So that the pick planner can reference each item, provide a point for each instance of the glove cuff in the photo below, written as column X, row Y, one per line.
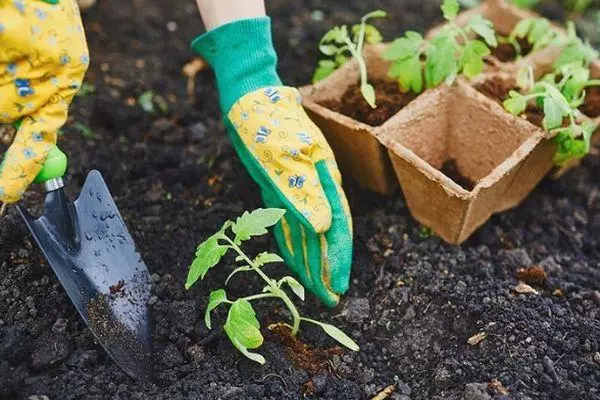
column 243, row 57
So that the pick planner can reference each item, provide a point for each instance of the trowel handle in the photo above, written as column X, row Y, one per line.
column 54, row 168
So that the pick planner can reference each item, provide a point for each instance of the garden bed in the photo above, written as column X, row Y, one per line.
column 414, row 301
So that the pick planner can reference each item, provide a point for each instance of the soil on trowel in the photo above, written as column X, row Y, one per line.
column 451, row 170
column 506, row 52
column 390, row 100
column 591, row 106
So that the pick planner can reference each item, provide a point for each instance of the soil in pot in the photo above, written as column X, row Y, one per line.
column 591, row 107
column 498, row 88
column 506, row 52
column 451, row 170
column 390, row 100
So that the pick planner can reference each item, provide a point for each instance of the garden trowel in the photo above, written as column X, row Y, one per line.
column 91, row 251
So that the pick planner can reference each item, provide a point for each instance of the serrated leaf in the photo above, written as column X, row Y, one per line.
column 324, row 69
column 216, row 298
column 450, row 9
column 404, row 47
column 484, row 28
column 329, row 49
column 338, row 335
column 441, row 63
column 208, row 255
column 255, row 223
column 243, row 329
column 368, row 92
column 471, row 61
column 409, row 73
column 515, row 104
column 265, row 258
column 296, row 287
column 337, row 34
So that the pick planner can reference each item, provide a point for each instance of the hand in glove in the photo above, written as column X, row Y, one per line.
column 43, row 58
column 285, row 153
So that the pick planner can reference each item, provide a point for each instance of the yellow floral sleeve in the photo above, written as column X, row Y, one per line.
column 43, row 59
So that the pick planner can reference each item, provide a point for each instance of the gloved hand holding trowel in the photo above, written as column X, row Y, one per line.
column 43, row 59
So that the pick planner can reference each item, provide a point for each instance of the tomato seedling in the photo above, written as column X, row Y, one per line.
column 573, row 138
column 337, row 43
column 241, row 326
column 450, row 52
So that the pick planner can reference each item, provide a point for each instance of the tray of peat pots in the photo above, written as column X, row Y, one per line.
column 459, row 155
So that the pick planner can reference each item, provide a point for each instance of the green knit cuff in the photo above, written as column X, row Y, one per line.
column 243, row 57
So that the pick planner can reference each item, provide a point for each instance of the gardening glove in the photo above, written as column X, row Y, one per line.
column 43, row 58
column 285, row 153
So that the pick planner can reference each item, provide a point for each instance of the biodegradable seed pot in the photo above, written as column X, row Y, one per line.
column 458, row 154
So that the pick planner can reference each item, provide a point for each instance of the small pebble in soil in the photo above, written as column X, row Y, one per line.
column 515, row 258
column 476, row 391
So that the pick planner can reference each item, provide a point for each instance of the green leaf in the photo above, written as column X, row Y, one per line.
column 208, row 254
column 337, row 34
column 441, row 62
column 145, row 101
column 525, row 3
column 553, row 117
column 265, row 258
column 372, row 34
column 324, row 69
column 296, row 287
column 85, row 90
column 85, row 130
column 450, row 9
column 515, row 104
column 539, row 29
column 404, row 47
column 217, row 297
column 522, row 28
column 409, row 73
column 485, row 29
column 243, row 329
column 255, row 223
column 471, row 60
column 338, row 335
column 329, row 49
column 525, row 78
column 368, row 92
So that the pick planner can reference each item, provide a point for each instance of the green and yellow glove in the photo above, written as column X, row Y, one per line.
column 285, row 153
column 43, row 58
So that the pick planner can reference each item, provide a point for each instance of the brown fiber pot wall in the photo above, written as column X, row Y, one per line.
column 488, row 145
column 357, row 149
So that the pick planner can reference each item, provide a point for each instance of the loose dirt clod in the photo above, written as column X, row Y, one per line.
column 390, row 100
column 477, row 338
column 591, row 107
column 497, row 386
column 534, row 275
column 524, row 288
column 117, row 288
column 301, row 354
column 385, row 393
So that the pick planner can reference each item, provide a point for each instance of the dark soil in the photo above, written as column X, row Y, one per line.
column 390, row 100
column 591, row 107
column 506, row 52
column 450, row 169
column 413, row 304
column 498, row 89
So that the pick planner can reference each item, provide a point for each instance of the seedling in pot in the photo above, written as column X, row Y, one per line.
column 241, row 326
column 449, row 53
column 537, row 32
column 339, row 41
column 572, row 138
column 572, row 80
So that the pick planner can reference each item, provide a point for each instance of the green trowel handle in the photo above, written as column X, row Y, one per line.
column 55, row 166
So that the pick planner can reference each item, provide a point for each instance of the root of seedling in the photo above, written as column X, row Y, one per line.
column 301, row 354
